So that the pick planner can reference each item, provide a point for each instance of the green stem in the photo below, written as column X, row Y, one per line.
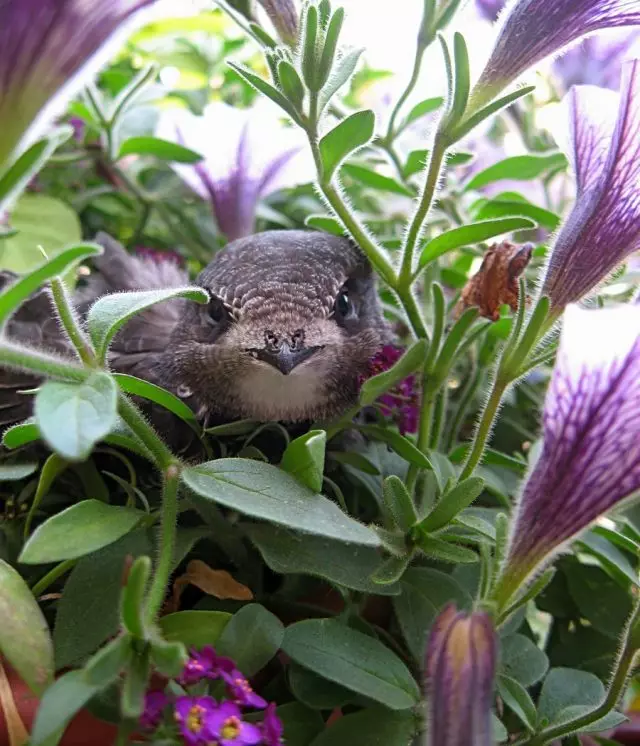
column 71, row 323
column 424, row 205
column 145, row 433
column 462, row 408
column 50, row 578
column 484, row 427
column 26, row 358
column 169, row 518
column 424, row 431
column 621, row 673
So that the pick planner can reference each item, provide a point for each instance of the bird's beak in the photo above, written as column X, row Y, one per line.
column 285, row 359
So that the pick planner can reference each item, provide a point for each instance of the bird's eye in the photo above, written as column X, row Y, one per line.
column 343, row 305
column 217, row 311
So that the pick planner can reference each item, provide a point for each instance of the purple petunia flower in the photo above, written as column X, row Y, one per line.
column 248, row 154
column 532, row 30
column 604, row 225
column 49, row 48
column 590, row 460
column 271, row 726
column 154, row 704
column 460, row 668
column 240, row 690
column 284, row 17
column 227, row 728
column 490, row 9
column 205, row 664
column 192, row 715
column 402, row 402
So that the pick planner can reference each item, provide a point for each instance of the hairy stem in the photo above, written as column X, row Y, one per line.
column 20, row 357
column 424, row 431
column 71, row 323
column 145, row 433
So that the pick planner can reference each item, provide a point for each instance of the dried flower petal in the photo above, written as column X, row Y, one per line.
column 533, row 30
column 460, row 668
column 496, row 282
column 604, row 225
column 590, row 459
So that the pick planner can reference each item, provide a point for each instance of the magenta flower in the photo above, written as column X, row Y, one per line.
column 248, row 154
column 590, row 459
column 192, row 716
column 604, row 225
column 401, row 403
column 272, row 727
column 460, row 668
column 49, row 49
column 533, row 30
column 206, row 664
column 154, row 704
column 226, row 727
column 240, row 690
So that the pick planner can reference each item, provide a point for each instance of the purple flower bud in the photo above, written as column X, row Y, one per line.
column 533, row 30
column 604, row 225
column 284, row 17
column 49, row 48
column 590, row 460
column 460, row 668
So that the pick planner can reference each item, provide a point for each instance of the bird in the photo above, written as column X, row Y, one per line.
column 292, row 322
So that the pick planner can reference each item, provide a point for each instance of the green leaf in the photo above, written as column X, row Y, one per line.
column 324, row 223
column 39, row 221
column 421, row 109
column 522, row 660
column 310, row 49
column 194, row 629
column 615, row 562
column 493, row 108
column 252, row 638
column 88, row 411
column 470, row 234
column 567, row 693
column 157, row 394
column 168, row 657
column 162, row 149
column 15, row 472
column 83, row 528
column 342, row 71
column 516, row 697
column 412, row 359
column 330, row 45
column 106, row 665
column 391, row 570
column 500, row 207
column 372, row 726
column 356, row 460
column 20, row 434
column 266, row 492
column 353, row 660
column 373, row 179
column 20, row 290
column 352, row 133
column 399, row 503
column 445, row 551
column 462, row 77
column 304, row 459
column 266, row 89
column 299, row 723
column 84, row 618
column 316, row 692
column 290, row 83
column 424, row 593
column 111, row 312
column 24, row 635
column 135, row 684
column 61, row 701
column 517, row 168
column 346, row 565
column 452, row 503
column 132, row 601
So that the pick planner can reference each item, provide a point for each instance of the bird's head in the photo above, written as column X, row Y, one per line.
column 291, row 325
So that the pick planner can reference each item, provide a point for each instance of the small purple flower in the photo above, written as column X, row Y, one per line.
column 205, row 664
column 533, row 30
column 460, row 668
column 240, row 690
column 226, row 727
column 192, row 715
column 401, row 403
column 271, row 726
column 490, row 9
column 49, row 48
column 154, row 704
column 248, row 154
column 604, row 225
column 590, row 460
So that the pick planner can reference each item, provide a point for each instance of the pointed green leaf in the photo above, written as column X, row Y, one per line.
column 194, row 629
column 342, row 71
column 351, row 134
column 165, row 150
column 518, row 168
column 330, row 45
column 452, row 503
column 304, row 459
column 290, row 83
column 373, row 179
column 266, row 89
column 252, row 638
column 399, row 503
column 412, row 359
column 517, row 698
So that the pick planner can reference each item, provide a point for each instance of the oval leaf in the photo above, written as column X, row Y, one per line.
column 252, row 638
column 111, row 312
column 195, row 629
column 352, row 133
column 353, row 660
column 304, row 459
column 24, row 635
column 163, row 149
column 79, row 530
column 374, row 727
column 517, row 168
column 266, row 492
column 73, row 417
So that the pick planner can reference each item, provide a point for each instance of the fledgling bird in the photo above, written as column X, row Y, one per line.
column 292, row 323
